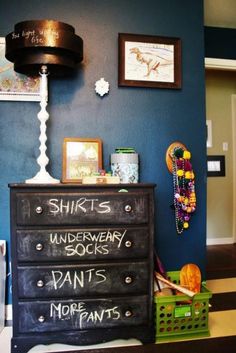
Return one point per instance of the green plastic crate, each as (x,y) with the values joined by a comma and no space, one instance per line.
(181,317)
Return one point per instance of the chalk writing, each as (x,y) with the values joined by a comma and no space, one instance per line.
(88,243)
(37,36)
(89,249)
(76,278)
(15,35)
(60,206)
(67,311)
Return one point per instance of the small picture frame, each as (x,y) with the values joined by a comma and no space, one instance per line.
(15,86)
(149,61)
(81,157)
(215,166)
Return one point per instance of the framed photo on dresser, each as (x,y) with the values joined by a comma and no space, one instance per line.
(81,157)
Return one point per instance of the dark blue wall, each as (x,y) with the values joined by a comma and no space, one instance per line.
(147,119)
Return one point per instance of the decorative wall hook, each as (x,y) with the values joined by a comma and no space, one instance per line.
(169,153)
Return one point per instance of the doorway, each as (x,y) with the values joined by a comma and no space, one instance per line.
(221,194)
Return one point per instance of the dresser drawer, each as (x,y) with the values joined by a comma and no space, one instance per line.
(82,280)
(81,208)
(51,316)
(82,244)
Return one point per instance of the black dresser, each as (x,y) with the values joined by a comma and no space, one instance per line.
(82,263)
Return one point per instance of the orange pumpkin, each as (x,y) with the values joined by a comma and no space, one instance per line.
(190,277)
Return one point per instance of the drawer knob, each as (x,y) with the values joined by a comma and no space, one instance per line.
(128,244)
(39,247)
(41,318)
(128,208)
(40,284)
(39,209)
(128,313)
(128,280)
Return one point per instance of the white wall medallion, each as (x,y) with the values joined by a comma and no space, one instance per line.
(101,87)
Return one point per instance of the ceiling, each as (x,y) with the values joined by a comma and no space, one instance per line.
(220,13)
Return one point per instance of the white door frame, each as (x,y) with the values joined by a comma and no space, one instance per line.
(229,65)
(233,105)
(220,64)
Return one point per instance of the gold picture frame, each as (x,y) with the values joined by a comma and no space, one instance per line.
(81,157)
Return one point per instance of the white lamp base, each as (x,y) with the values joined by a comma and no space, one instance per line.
(42,177)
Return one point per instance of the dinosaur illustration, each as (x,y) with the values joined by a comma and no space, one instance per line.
(150,60)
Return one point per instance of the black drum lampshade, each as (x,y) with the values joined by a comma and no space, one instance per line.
(44,42)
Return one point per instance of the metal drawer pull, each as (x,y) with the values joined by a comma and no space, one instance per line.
(128,208)
(41,318)
(128,280)
(39,210)
(40,284)
(128,313)
(128,244)
(39,247)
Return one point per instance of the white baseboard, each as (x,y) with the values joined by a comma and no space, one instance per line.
(220,241)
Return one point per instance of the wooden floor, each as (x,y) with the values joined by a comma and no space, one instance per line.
(221,261)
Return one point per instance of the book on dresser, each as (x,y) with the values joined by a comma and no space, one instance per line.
(82,263)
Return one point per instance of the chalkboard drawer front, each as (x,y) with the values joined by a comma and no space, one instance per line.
(68,208)
(83,280)
(82,244)
(51,316)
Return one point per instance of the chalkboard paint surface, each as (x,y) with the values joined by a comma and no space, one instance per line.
(111,208)
(82,280)
(82,264)
(51,316)
(82,244)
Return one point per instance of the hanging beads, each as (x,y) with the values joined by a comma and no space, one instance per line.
(184,188)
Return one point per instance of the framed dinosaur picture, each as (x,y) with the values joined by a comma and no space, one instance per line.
(149,61)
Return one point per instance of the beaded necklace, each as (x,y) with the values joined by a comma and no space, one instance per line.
(184,188)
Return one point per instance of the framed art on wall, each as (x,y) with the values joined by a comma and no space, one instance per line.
(15,86)
(149,61)
(81,157)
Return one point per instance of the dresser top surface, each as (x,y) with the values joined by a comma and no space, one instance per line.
(81,186)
